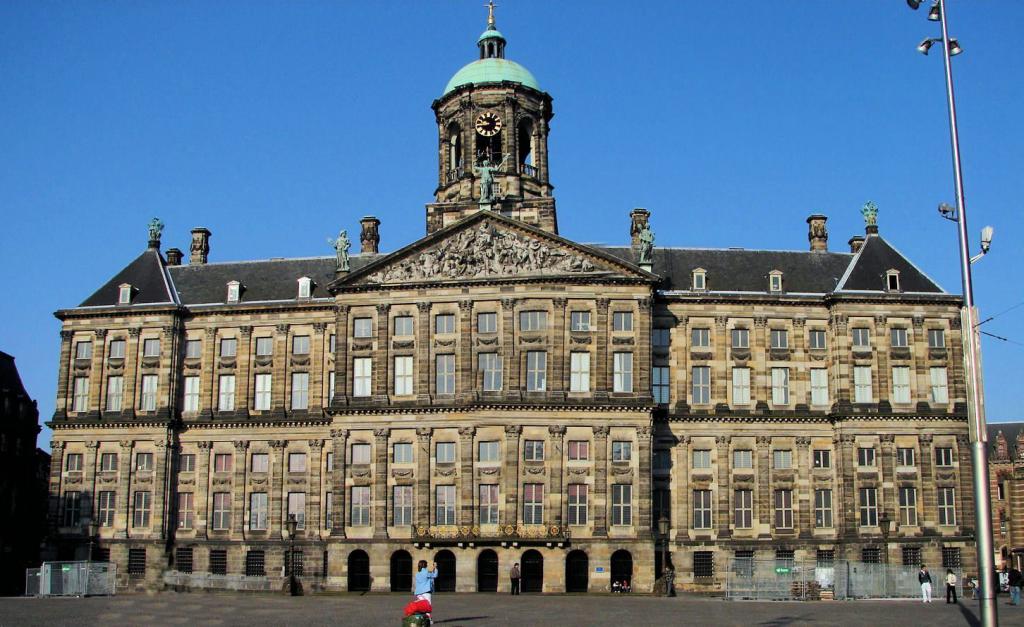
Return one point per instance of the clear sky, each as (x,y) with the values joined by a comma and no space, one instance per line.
(275,124)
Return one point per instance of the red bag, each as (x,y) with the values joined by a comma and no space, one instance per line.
(418,607)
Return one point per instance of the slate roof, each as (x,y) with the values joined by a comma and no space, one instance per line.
(147,277)
(867,273)
(1010,431)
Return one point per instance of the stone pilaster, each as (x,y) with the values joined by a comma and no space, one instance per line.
(244,381)
(929,499)
(169,374)
(161,466)
(89,482)
(513,368)
(557,496)
(278,469)
(96,387)
(122,516)
(888,500)
(466,475)
(425,365)
(342,368)
(208,375)
(557,380)
(129,402)
(882,348)
(642,353)
(314,508)
(280,384)
(63,370)
(202,497)
(964,494)
(764,488)
(804,492)
(720,367)
(760,377)
(848,496)
(239,468)
(380,482)
(423,435)
(724,492)
(464,363)
(602,354)
(316,370)
(643,482)
(600,500)
(56,475)
(339,448)
(681,471)
(510,474)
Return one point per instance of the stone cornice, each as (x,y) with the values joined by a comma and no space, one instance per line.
(475,407)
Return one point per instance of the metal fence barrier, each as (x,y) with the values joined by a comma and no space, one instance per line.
(77,579)
(206,581)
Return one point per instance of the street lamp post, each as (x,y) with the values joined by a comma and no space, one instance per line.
(93,531)
(885,523)
(663,524)
(292,524)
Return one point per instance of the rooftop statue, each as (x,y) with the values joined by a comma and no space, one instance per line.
(486,172)
(870,213)
(156,227)
(646,252)
(341,246)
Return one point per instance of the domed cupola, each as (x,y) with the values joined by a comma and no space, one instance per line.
(493,124)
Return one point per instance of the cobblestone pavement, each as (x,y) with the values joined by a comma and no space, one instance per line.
(478,610)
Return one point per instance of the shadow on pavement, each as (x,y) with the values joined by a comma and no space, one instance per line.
(969,616)
(462,618)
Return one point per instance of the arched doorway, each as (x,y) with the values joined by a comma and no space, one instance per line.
(487,571)
(358,571)
(577,568)
(445,581)
(401,571)
(622,566)
(533,571)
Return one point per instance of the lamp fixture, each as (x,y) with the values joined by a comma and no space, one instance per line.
(954,47)
(926,45)
(934,14)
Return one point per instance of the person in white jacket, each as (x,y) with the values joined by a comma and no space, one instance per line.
(950,585)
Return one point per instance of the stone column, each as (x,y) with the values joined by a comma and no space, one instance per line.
(244,382)
(680,352)
(380,482)
(643,482)
(131,373)
(466,386)
(642,359)
(160,492)
(764,488)
(423,366)
(63,370)
(124,488)
(169,374)
(56,475)
(208,374)
(466,475)
(720,367)
(760,377)
(510,474)
(96,387)
(313,508)
(381,354)
(557,382)
(280,383)
(513,368)
(929,499)
(882,344)
(202,497)
(965,498)
(600,502)
(316,370)
(722,516)
(682,488)
(422,512)
(238,489)
(601,353)
(888,498)
(804,489)
(557,497)
(89,482)
(848,497)
(339,448)
(341,365)
(277,473)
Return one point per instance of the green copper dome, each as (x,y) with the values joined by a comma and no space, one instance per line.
(490,33)
(491,71)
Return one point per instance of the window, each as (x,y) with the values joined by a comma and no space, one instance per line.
(862,384)
(490,366)
(444,373)
(72,509)
(622,321)
(660,384)
(775,282)
(124,294)
(700,338)
(490,451)
(536,371)
(699,280)
(260,462)
(702,509)
(743,458)
(579,321)
(81,396)
(780,339)
(136,563)
(950,557)
(83,350)
(901,384)
(186,510)
(533,504)
(487,504)
(300,345)
(898,337)
(228,347)
(362,327)
(579,372)
(191,394)
(296,462)
(329,465)
(868,507)
(661,338)
(823,508)
(300,390)
(822,458)
(623,372)
(106,506)
(578,503)
(108,461)
(258,511)
(444,512)
(947,506)
(741,338)
(219,561)
(221,510)
(402,505)
(780,386)
(533,450)
(360,506)
(703,564)
(905,457)
(149,385)
(871,555)
(264,346)
(403,453)
(141,509)
(861,338)
(254,564)
(911,556)
(143,461)
(222,462)
(226,392)
(819,386)
(444,323)
(622,451)
(622,504)
(360,454)
(908,506)
(782,459)
(330,387)
(305,287)
(403,326)
(117,349)
(74,461)
(362,376)
(332,344)
(487,323)
(892,281)
(445,452)
(700,388)
(936,338)
(193,349)
(783,509)
(785,558)
(943,456)
(297,508)
(579,450)
(151,348)
(263,389)
(816,338)
(701,459)
(234,291)
(403,375)
(865,456)
(533,320)
(743,509)
(939,389)
(741,386)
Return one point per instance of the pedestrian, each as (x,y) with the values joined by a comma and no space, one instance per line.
(1016,580)
(950,585)
(670,581)
(515,575)
(425,577)
(925,579)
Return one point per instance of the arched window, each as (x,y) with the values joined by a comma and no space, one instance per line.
(454,151)
(524,142)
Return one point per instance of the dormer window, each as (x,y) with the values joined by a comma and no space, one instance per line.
(234,291)
(775,281)
(124,294)
(892,281)
(700,280)
(305,287)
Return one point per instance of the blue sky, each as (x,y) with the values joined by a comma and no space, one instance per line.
(275,124)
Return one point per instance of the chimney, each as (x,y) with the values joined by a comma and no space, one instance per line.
(200,246)
(817,233)
(639,218)
(369,237)
(856,243)
(173,256)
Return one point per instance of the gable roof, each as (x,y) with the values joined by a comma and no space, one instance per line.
(148,277)
(867,271)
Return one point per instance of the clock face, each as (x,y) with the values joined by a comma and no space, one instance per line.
(488,124)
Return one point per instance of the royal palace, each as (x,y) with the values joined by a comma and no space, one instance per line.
(494,393)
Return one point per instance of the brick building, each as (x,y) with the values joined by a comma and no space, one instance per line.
(495,393)
(1006,477)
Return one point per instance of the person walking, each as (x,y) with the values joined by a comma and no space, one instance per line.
(950,585)
(515,574)
(1016,580)
(925,579)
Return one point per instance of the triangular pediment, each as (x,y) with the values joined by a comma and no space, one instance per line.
(489,247)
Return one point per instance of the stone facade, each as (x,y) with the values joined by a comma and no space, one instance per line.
(1006,477)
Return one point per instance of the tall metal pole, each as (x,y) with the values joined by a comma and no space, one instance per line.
(972,368)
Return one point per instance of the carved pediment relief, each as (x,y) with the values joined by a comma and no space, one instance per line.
(579,471)
(445,472)
(488,470)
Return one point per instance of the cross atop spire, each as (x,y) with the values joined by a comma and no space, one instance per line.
(490,15)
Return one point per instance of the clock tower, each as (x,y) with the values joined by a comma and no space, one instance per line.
(493,122)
